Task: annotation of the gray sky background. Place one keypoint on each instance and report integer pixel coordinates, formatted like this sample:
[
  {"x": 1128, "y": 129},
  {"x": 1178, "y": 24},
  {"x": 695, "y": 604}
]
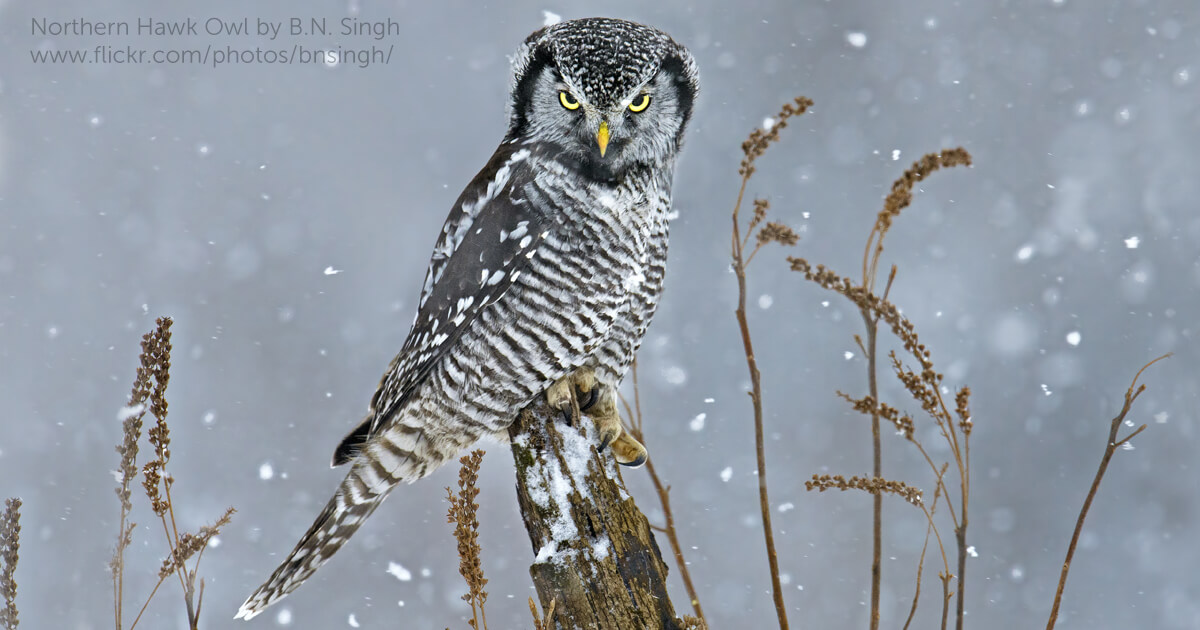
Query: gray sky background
[{"x": 1043, "y": 277}]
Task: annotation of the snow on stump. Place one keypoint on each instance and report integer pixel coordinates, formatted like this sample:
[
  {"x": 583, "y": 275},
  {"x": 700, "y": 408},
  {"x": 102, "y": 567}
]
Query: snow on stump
[{"x": 595, "y": 554}]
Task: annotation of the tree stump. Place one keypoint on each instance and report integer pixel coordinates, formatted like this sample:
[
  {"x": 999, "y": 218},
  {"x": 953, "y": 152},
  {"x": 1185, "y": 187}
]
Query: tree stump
[{"x": 595, "y": 554}]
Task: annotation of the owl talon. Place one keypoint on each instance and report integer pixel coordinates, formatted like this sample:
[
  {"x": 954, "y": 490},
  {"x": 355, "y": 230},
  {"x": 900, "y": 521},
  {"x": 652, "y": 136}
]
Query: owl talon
[
  {"x": 606, "y": 438},
  {"x": 587, "y": 398},
  {"x": 558, "y": 396},
  {"x": 637, "y": 462},
  {"x": 600, "y": 404},
  {"x": 628, "y": 451},
  {"x": 581, "y": 384}
]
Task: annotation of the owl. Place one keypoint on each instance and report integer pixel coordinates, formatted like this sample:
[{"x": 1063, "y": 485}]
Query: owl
[{"x": 543, "y": 279}]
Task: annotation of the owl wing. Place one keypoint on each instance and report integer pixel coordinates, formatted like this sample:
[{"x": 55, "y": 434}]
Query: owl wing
[{"x": 487, "y": 240}]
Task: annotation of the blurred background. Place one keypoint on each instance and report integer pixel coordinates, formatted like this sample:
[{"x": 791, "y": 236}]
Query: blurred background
[{"x": 284, "y": 216}]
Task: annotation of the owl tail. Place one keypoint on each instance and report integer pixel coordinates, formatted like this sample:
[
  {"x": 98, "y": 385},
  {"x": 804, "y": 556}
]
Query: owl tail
[{"x": 359, "y": 494}]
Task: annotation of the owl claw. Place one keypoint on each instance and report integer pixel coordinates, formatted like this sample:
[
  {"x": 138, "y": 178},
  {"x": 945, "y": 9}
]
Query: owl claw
[
  {"x": 600, "y": 404},
  {"x": 581, "y": 384},
  {"x": 587, "y": 398},
  {"x": 558, "y": 396},
  {"x": 606, "y": 438},
  {"x": 628, "y": 451}
]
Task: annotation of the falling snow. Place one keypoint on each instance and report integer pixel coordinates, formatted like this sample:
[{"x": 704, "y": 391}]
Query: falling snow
[
  {"x": 126, "y": 413},
  {"x": 145, "y": 198},
  {"x": 396, "y": 569},
  {"x": 675, "y": 375}
]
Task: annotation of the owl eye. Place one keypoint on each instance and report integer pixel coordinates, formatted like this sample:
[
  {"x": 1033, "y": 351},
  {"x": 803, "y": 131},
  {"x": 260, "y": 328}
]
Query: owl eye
[
  {"x": 568, "y": 101},
  {"x": 640, "y": 104}
]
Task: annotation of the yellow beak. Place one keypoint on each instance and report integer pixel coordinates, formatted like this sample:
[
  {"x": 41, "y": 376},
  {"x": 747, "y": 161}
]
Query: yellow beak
[{"x": 602, "y": 138}]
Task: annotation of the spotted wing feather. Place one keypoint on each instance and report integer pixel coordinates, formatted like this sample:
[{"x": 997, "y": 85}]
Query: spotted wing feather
[{"x": 486, "y": 241}]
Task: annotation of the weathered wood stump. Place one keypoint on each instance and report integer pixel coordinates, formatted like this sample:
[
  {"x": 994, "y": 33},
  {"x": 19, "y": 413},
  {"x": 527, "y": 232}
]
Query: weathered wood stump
[{"x": 595, "y": 554}]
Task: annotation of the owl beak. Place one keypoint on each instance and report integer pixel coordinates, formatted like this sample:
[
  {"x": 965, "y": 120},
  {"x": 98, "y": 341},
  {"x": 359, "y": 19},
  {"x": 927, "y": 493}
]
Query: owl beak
[{"x": 602, "y": 137}]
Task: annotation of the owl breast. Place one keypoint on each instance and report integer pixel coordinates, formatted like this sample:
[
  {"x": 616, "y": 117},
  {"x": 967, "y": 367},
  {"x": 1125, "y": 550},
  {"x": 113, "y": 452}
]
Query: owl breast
[
  {"x": 585, "y": 298},
  {"x": 621, "y": 230}
]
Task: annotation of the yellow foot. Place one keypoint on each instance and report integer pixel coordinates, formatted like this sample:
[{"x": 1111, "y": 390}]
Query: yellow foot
[
  {"x": 598, "y": 402},
  {"x": 580, "y": 384},
  {"x": 628, "y": 451}
]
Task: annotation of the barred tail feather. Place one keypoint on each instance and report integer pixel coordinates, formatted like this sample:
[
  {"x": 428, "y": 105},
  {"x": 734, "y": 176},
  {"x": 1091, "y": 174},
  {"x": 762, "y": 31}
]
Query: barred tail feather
[{"x": 355, "y": 500}]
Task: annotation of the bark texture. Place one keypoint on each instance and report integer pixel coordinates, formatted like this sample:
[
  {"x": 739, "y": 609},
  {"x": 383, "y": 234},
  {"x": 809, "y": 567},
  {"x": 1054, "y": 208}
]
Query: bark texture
[{"x": 595, "y": 554}]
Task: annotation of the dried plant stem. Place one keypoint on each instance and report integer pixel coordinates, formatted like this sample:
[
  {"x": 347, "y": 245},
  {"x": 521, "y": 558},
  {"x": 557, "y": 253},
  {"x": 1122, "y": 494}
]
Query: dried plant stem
[
  {"x": 149, "y": 395},
  {"x": 925, "y": 386},
  {"x": 634, "y": 427},
  {"x": 161, "y": 579},
  {"x": 872, "y": 325},
  {"x": 173, "y": 544},
  {"x": 960, "y": 535},
  {"x": 538, "y": 622},
  {"x": 920, "y": 569},
  {"x": 118, "y": 568},
  {"x": 464, "y": 515},
  {"x": 945, "y": 578},
  {"x": 930, "y": 528},
  {"x": 753, "y": 148},
  {"x": 10, "y": 545},
  {"x": 871, "y": 322},
  {"x": 739, "y": 269},
  {"x": 1110, "y": 448},
  {"x": 664, "y": 496}
]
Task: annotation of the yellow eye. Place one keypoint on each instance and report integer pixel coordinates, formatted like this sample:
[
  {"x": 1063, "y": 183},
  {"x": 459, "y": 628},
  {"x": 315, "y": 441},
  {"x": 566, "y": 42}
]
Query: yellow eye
[
  {"x": 568, "y": 101},
  {"x": 640, "y": 103}
]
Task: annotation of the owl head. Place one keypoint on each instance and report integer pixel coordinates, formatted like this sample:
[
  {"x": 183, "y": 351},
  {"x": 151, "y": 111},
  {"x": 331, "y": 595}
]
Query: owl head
[{"x": 608, "y": 93}]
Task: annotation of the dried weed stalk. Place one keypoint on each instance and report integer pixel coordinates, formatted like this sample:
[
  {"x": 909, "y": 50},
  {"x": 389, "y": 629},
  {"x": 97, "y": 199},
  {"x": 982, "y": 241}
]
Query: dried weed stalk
[
  {"x": 10, "y": 544},
  {"x": 540, "y": 623},
  {"x": 870, "y": 485},
  {"x": 924, "y": 385},
  {"x": 945, "y": 573},
  {"x": 149, "y": 395},
  {"x": 753, "y": 148},
  {"x": 632, "y": 422},
  {"x": 1110, "y": 448},
  {"x": 463, "y": 514}
]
